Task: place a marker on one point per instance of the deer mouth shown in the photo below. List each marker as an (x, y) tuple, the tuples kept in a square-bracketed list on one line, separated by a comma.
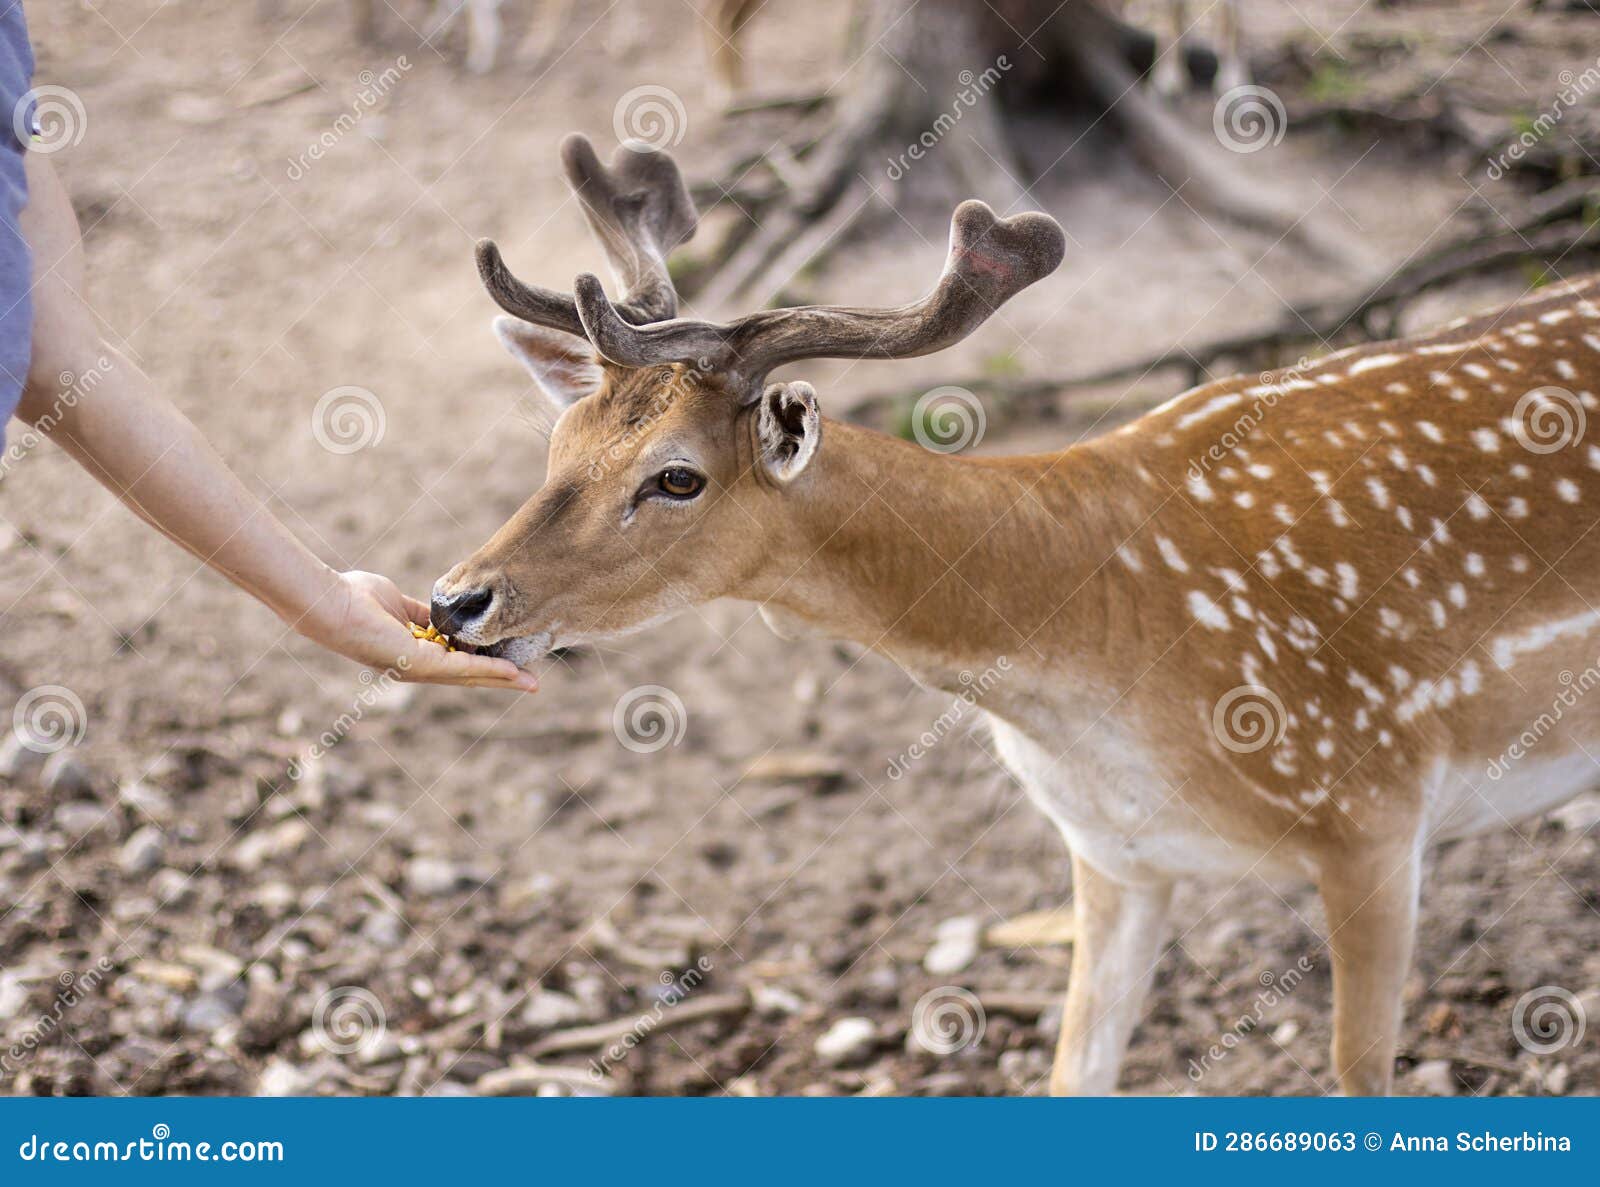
[(522, 650)]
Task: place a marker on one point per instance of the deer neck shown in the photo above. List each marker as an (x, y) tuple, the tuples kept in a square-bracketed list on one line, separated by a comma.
[(946, 564)]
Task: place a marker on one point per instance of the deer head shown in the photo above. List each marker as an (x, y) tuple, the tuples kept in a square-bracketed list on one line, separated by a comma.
[(673, 464)]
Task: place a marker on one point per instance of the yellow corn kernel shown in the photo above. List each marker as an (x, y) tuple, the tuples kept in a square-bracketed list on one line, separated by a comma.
[(430, 634)]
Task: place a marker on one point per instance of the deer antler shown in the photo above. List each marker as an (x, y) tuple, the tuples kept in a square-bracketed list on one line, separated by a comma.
[(991, 260), (638, 208)]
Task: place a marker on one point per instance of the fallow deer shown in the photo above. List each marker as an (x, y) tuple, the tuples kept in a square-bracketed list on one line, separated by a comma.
[(1382, 555)]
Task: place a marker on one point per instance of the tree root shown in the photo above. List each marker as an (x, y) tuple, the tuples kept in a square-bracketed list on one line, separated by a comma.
[(1371, 315)]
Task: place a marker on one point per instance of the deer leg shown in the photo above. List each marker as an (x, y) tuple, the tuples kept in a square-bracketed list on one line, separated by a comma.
[(483, 35), (1169, 77), (1231, 68), (1372, 920), (1119, 930)]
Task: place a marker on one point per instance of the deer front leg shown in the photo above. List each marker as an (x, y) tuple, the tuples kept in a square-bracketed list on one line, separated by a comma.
[(1169, 77), (1119, 936), (1372, 921)]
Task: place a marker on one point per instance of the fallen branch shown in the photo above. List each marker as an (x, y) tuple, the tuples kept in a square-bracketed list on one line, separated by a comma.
[(527, 1078), (605, 1034)]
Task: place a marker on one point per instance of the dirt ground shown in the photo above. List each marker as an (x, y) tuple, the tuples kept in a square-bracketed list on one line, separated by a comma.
[(418, 910)]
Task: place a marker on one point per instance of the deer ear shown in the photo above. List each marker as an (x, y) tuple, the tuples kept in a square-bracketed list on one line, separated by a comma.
[(789, 428), (564, 367)]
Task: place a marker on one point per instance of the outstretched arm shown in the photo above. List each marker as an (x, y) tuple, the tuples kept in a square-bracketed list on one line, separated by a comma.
[(155, 461)]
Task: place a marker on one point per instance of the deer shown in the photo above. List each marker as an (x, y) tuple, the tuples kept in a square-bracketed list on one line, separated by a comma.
[(1280, 626)]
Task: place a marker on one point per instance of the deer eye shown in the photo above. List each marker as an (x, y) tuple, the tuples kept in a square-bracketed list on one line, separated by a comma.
[(679, 482)]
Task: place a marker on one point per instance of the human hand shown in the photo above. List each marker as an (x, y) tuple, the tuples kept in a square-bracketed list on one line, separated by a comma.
[(366, 618)]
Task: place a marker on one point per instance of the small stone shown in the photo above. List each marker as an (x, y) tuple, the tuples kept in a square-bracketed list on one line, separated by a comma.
[(1286, 1033), (212, 1011), (78, 818), (384, 929), (775, 1000), (172, 888), (546, 1009), (1557, 1079), (280, 840), (279, 1078), (65, 775), (432, 876), (277, 898), (145, 798), (846, 1041), (142, 852), (956, 946), (1435, 1077)]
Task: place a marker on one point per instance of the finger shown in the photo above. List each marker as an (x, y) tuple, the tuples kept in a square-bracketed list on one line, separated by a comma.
[(436, 664), (417, 611)]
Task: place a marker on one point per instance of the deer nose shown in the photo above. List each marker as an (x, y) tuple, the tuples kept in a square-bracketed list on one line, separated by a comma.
[(455, 612)]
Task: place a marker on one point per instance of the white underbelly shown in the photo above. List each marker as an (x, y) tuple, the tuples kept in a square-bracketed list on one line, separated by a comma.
[(1114, 808), (1513, 787)]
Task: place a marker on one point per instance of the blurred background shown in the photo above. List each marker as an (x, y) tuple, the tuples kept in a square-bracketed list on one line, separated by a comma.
[(228, 864)]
